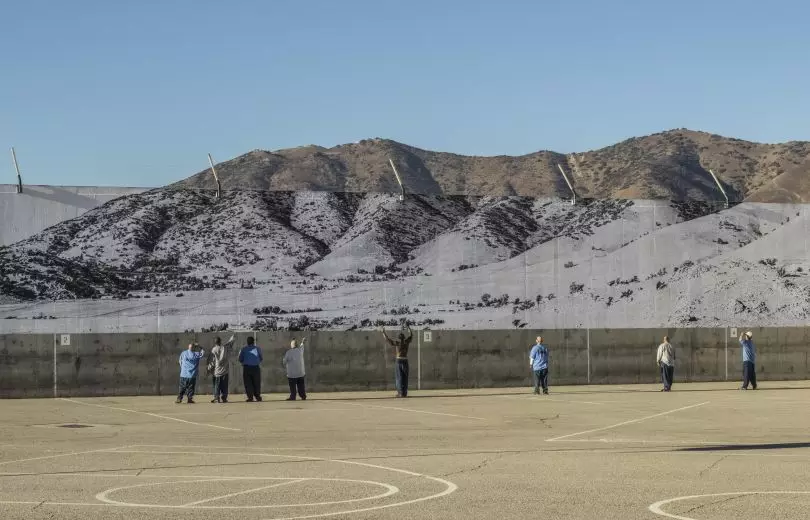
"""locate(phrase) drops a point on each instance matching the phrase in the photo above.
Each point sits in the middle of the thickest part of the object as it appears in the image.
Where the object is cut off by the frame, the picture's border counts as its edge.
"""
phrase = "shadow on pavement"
(744, 447)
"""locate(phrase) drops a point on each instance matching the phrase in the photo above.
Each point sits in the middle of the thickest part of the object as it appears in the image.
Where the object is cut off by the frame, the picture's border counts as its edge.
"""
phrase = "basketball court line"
(56, 456)
(259, 412)
(534, 398)
(450, 488)
(633, 421)
(411, 410)
(149, 414)
(244, 492)
(258, 450)
(656, 507)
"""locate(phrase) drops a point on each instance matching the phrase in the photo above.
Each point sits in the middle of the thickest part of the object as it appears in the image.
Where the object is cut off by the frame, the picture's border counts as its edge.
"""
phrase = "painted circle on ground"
(104, 500)
(657, 507)
(104, 496)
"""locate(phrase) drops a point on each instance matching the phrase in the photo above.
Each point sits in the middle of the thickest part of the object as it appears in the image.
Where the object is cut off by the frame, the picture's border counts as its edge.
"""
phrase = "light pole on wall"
(399, 180)
(723, 191)
(570, 186)
(214, 171)
(17, 169)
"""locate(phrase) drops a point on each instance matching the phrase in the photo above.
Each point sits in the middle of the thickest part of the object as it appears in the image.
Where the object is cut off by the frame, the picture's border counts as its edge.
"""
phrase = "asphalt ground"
(700, 452)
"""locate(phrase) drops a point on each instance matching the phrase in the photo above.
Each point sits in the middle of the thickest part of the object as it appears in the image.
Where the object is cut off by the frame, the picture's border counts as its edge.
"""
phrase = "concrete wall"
(40, 207)
(146, 364)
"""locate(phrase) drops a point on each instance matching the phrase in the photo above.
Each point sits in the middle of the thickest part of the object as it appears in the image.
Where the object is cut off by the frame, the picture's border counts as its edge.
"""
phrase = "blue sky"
(97, 92)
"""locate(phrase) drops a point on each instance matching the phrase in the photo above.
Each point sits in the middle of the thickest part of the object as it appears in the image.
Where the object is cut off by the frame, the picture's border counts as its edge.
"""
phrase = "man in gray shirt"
(293, 361)
(218, 364)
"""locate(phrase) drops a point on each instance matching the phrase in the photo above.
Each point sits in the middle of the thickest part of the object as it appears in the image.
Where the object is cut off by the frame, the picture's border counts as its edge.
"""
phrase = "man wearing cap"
(749, 356)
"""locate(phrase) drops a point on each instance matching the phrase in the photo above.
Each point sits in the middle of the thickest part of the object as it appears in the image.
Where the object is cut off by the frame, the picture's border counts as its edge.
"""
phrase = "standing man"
(749, 357)
(538, 360)
(219, 361)
(189, 364)
(293, 361)
(666, 362)
(251, 357)
(401, 345)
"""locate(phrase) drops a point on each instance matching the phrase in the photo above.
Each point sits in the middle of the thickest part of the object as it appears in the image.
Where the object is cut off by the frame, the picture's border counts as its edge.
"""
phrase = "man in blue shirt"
(538, 360)
(749, 357)
(251, 357)
(189, 365)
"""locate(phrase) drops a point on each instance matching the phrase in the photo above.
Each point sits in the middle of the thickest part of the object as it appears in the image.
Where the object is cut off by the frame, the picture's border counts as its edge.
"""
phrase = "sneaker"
(536, 392)
(303, 398)
(545, 392)
(258, 398)
(223, 400)
(249, 400)
(290, 399)
(178, 401)
(214, 400)
(191, 401)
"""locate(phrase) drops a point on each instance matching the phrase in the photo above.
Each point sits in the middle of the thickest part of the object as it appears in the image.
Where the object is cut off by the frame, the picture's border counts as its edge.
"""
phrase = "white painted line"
(254, 412)
(656, 508)
(245, 492)
(258, 450)
(537, 398)
(415, 411)
(96, 473)
(151, 415)
(604, 440)
(46, 457)
(48, 503)
(104, 495)
(626, 422)
(450, 488)
(187, 452)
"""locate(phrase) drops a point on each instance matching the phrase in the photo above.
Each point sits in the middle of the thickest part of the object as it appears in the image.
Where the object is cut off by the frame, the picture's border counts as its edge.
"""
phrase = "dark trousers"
(297, 383)
(667, 374)
(252, 377)
(401, 376)
(187, 386)
(541, 379)
(749, 374)
(221, 387)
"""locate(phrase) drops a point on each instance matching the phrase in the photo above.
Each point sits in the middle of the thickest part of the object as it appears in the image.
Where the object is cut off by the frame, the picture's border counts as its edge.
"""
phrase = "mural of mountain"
(177, 259)
(671, 165)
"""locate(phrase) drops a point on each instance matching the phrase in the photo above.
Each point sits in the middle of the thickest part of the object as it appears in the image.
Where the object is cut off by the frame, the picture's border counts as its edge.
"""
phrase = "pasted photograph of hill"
(341, 251)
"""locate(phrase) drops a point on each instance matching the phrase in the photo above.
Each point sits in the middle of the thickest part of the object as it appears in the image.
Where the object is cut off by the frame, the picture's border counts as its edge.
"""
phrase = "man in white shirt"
(666, 360)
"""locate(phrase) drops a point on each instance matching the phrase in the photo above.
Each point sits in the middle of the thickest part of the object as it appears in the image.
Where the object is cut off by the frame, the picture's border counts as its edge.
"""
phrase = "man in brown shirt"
(401, 345)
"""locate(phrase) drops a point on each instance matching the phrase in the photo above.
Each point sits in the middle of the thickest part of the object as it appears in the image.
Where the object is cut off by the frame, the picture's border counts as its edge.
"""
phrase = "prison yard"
(704, 451)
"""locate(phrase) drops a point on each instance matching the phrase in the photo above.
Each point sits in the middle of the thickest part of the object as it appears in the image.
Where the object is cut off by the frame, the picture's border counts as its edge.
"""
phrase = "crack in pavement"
(728, 499)
(544, 419)
(478, 466)
(712, 465)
